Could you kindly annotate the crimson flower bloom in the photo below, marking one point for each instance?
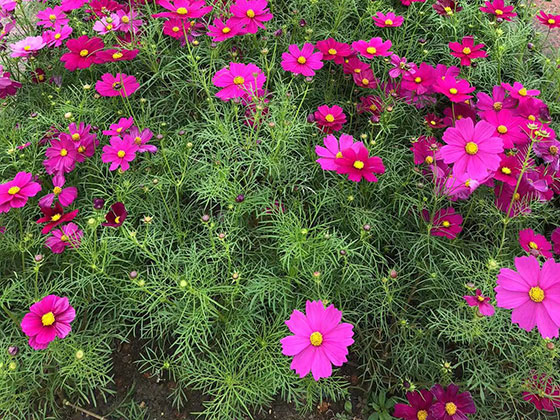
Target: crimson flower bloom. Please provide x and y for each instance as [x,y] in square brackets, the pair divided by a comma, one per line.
[390,20]
[518,91]
[370,104]
[116,215]
[509,170]
[238,80]
[329,119]
[433,121]
[120,152]
[83,52]
[250,14]
[304,61]
[357,163]
[8,87]
[498,9]
[552,21]
[543,393]
[373,48]
[118,85]
[334,50]
[535,244]
[482,303]
[68,236]
[457,90]
[446,7]
[418,407]
[450,404]
[15,193]
[467,50]
[425,150]
[446,222]
[220,31]
[55,216]
[183,9]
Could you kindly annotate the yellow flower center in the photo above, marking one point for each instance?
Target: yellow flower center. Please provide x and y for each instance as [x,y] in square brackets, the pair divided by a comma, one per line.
[301,59]
[551,21]
[373,107]
[52,17]
[553,150]
[250,13]
[329,118]
[536,294]
[446,224]
[497,106]
[522,92]
[238,80]
[499,12]
[76,136]
[125,19]
[316,339]
[41,77]
[27,47]
[466,51]
[450,408]
[81,149]
[119,129]
[532,118]
[453,91]
[182,11]
[338,155]
[516,196]
[422,415]
[365,81]
[138,140]
[459,117]
[506,170]
[84,52]
[388,22]
[117,220]
[57,190]
[56,217]
[109,27]
[121,153]
[47,319]
[371,50]
[14,190]
[480,298]
[357,71]
[117,55]
[175,29]
[64,238]
[471,148]
[502,129]
[448,9]
[429,160]
[63,152]
[533,245]
[57,36]
[358,164]
[417,79]
[226,30]
[332,51]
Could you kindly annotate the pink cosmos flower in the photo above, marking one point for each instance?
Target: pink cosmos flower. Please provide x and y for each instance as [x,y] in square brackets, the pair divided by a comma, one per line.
[449,404]
[353,65]
[220,31]
[467,50]
[390,20]
[555,238]
[357,163]
[118,85]
[8,87]
[533,294]
[238,80]
[507,127]
[509,170]
[69,5]
[128,21]
[372,105]
[82,53]
[112,55]
[458,112]
[552,21]
[457,90]
[15,193]
[68,236]
[472,149]
[304,61]
[27,46]
[332,151]
[183,9]
[52,17]
[55,216]
[119,152]
[61,155]
[65,196]
[418,407]
[250,14]
[365,79]
[549,151]
[119,128]
[319,340]
[330,119]
[518,91]
[106,25]
[498,9]
[141,138]
[47,319]
[534,244]
[543,393]
[445,223]
[421,81]
[433,121]
[497,102]
[426,150]
[57,36]
[483,304]
[401,67]
[334,50]
[375,47]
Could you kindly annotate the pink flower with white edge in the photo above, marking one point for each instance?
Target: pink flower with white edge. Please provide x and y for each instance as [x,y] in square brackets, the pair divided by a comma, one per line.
[250,14]
[304,61]
[518,91]
[238,80]
[532,292]
[332,150]
[61,155]
[375,47]
[120,152]
[357,163]
[482,303]
[320,340]
[535,244]
[118,85]
[27,46]
[467,50]
[65,196]
[52,17]
[390,20]
[48,319]
[15,193]
[329,119]
[68,236]
[57,36]
[445,223]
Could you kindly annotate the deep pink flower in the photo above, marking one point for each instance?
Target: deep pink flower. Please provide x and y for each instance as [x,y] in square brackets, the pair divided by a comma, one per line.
[47,319]
[549,151]
[421,81]
[457,90]
[497,102]
[445,223]
[375,47]
[498,9]
[365,79]
[334,50]
[83,51]
[220,31]
[459,112]
[69,5]
[534,244]
[357,163]
[176,28]
[52,17]
[116,216]
[57,35]
[250,14]
[518,91]
[65,196]
[555,238]
[426,150]
[119,128]
[353,65]
[401,67]
[118,85]
[483,304]
[514,202]
[472,149]
[27,46]
[418,407]
[183,9]
[552,21]
[332,151]
[433,121]
[533,293]
[543,393]
[68,236]
[304,61]
[389,20]
[449,404]
[55,216]
[102,8]
[8,87]
[372,105]
[112,55]
[15,193]
[507,127]
[330,119]
[319,340]
[238,80]
[467,50]
[141,138]
[509,170]
[120,152]
[61,155]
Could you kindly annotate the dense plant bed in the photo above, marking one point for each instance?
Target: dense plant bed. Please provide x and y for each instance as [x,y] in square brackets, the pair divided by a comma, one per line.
[268,205]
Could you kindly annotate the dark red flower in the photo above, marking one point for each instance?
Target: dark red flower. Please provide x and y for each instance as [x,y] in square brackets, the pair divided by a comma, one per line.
[55,216]
[116,215]
[450,404]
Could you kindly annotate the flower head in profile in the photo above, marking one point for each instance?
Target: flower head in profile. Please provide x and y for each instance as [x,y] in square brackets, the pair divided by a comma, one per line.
[68,236]
[445,223]
[250,14]
[534,244]
[82,52]
[333,50]
[332,151]
[48,319]
[449,404]
[375,47]
[532,292]
[389,20]
[329,119]
[27,46]
[467,50]
[418,407]
[357,164]
[15,193]
[65,196]
[425,150]
[238,80]
[55,216]
[119,85]
[116,215]
[543,392]
[498,9]
[320,340]
[302,61]
[482,303]
[552,21]
[120,152]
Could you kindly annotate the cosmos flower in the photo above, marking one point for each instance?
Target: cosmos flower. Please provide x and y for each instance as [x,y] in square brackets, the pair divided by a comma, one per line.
[116,216]
[141,138]
[127,21]
[401,67]
[320,340]
[445,223]
[330,119]
[496,102]
[8,86]
[552,21]
[304,61]
[509,170]
[457,90]
[238,80]
[375,47]
[425,150]
[534,244]
[83,51]
[119,128]
[118,85]
[183,9]
[482,303]
[55,216]
[120,152]
[27,46]
[334,50]
[65,196]
[449,404]
[15,193]
[421,81]
[68,236]
[332,150]
[57,36]
[389,20]
[507,127]
[418,407]
[250,14]
[498,9]
[518,91]
[357,163]
[542,392]
[52,17]
[446,7]
[220,31]
[467,50]
[61,155]
[106,25]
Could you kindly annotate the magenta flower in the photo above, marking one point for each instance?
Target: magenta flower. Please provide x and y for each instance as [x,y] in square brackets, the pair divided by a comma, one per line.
[507,127]
[497,102]
[472,149]
[375,47]
[457,90]
[15,193]
[47,319]
[498,9]
[418,407]
[82,52]
[65,196]
[119,128]
[509,170]
[329,119]
[52,17]
[128,21]
[425,150]
[552,21]
[118,85]
[390,20]
[250,14]
[421,81]
[61,155]
[57,36]
[27,46]
[68,236]
[319,340]
[518,91]
[69,5]
[106,25]
[549,151]
[141,138]
[449,404]
[120,152]
[357,163]
[116,215]
[304,61]
[238,80]
[365,79]
[8,87]
[332,151]
[534,244]
[446,8]
[532,292]
[220,31]
[555,238]
[354,66]
[467,50]
[55,216]
[401,67]
[543,393]
[446,223]
[183,9]
[372,105]
[334,50]
[483,304]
